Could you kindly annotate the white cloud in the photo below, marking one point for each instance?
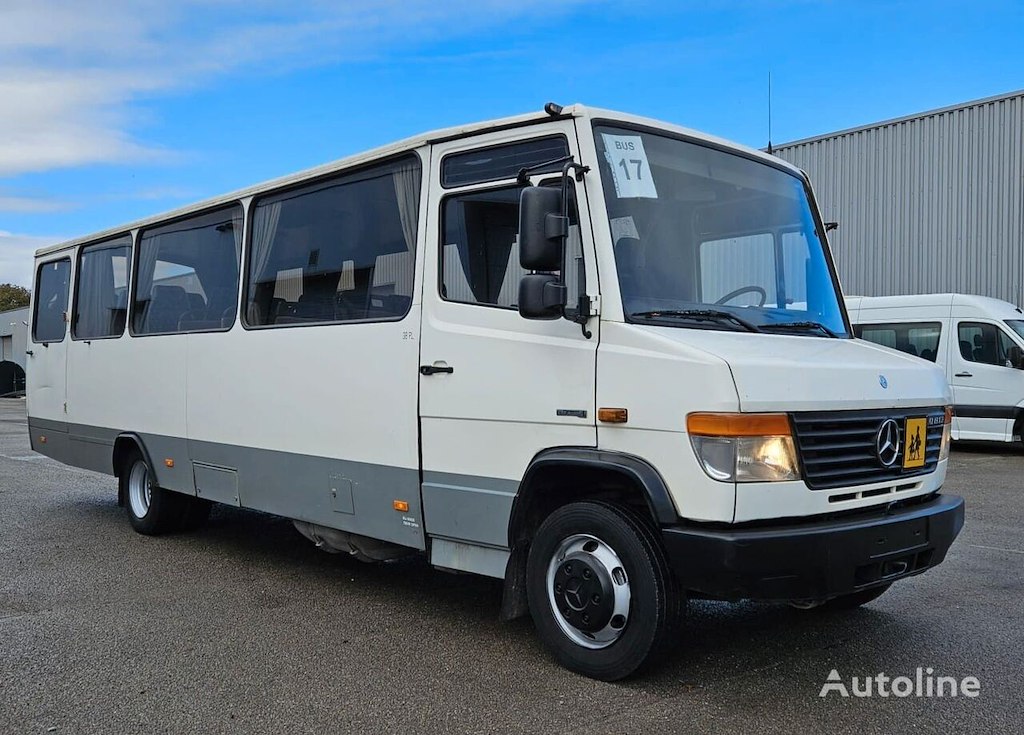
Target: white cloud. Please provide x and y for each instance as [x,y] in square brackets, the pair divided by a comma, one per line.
[72,74]
[16,254]
[32,205]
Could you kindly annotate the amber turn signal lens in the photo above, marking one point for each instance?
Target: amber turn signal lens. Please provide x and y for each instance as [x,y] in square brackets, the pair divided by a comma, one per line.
[738,424]
[169,462]
[613,415]
[401,505]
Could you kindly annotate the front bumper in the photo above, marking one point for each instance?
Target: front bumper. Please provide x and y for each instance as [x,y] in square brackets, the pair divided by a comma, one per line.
[818,559]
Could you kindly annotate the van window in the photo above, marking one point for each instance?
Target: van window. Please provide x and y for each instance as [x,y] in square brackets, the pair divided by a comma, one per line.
[187,274]
[480,253]
[988,344]
[340,250]
[101,290]
[920,339]
[51,295]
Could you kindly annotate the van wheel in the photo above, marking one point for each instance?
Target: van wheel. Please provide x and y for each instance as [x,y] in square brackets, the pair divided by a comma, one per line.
[152,510]
[600,591]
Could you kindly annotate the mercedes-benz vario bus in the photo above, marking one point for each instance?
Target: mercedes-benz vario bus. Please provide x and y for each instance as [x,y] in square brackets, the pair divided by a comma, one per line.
[602,358]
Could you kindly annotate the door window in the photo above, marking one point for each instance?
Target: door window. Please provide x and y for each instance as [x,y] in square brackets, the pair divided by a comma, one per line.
[51,307]
[988,344]
[480,253]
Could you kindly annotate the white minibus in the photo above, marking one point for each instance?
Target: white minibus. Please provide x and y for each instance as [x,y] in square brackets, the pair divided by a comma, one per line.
[599,357]
[976,340]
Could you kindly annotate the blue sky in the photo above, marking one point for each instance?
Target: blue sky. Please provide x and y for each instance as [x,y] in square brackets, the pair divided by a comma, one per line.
[116,110]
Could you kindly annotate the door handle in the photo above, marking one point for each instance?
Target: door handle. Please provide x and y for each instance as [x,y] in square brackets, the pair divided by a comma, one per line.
[963,375]
[434,369]
[30,353]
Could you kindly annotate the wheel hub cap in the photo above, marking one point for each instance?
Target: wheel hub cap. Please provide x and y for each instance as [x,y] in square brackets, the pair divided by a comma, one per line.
[588,591]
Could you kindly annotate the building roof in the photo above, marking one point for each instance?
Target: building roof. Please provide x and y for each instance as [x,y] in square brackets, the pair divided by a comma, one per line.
[898,120]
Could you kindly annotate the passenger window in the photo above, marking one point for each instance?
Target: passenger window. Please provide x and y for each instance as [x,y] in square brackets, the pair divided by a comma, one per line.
[920,339]
[739,271]
[480,253]
[101,290]
[338,251]
[51,305]
[187,274]
[988,344]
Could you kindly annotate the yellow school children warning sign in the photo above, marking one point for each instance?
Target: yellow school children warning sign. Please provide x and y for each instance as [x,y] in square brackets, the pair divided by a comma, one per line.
[915,442]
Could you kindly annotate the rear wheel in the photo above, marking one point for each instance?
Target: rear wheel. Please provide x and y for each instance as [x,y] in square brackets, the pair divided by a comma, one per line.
[600,591]
[153,510]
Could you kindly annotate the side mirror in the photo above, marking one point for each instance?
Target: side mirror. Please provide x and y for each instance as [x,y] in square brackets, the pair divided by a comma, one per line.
[541,296]
[542,229]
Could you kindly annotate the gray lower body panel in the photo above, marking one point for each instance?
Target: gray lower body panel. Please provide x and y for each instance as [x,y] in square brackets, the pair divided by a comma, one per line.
[351,496]
[467,516]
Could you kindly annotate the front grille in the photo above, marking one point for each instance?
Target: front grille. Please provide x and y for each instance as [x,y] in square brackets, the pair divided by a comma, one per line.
[837,448]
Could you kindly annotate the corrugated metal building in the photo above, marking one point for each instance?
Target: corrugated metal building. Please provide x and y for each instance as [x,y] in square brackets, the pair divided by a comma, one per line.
[13,343]
[927,203]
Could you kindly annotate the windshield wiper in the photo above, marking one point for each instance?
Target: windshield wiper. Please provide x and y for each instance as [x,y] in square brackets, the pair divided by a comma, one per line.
[700,315]
[800,327]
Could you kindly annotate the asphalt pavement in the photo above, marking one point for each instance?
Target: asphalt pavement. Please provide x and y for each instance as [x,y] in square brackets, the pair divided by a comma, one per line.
[245,627]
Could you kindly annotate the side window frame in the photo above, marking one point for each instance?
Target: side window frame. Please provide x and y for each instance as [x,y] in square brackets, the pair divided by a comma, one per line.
[901,331]
[1000,335]
[35,301]
[247,251]
[490,179]
[108,244]
[500,185]
[133,273]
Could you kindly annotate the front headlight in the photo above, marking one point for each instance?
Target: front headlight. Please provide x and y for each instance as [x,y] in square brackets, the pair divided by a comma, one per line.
[736,447]
[947,428]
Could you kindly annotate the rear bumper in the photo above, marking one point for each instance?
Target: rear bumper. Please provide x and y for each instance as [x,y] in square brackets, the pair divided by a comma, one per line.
[815,560]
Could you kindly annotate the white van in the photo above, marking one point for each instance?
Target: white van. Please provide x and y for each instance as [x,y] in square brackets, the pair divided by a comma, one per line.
[602,358]
[977,341]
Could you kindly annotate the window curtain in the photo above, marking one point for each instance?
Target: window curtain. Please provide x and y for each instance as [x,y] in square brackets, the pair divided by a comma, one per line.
[237,217]
[149,250]
[394,271]
[264,230]
[95,305]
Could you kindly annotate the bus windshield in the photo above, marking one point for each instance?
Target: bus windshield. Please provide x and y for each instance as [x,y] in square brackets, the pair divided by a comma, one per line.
[713,240]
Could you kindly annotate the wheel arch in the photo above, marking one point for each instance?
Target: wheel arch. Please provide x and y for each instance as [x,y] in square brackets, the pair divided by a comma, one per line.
[558,476]
[126,443]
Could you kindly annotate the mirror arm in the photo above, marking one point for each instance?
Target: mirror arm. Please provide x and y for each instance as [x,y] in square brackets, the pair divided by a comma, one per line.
[583,300]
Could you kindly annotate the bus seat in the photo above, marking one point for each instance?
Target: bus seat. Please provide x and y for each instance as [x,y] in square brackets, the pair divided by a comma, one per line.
[167,305]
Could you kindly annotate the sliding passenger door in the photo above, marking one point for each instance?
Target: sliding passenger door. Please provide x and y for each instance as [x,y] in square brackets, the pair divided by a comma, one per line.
[495,389]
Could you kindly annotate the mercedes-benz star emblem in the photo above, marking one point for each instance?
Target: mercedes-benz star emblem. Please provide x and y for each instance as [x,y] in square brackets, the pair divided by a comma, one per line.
[887,442]
[883,382]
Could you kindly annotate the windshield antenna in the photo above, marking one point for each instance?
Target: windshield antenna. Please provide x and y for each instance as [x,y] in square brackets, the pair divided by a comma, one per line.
[769,112]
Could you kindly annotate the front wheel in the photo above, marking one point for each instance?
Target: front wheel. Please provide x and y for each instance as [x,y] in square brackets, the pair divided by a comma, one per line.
[600,591]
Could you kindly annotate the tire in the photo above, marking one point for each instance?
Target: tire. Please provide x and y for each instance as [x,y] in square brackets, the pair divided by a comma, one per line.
[854,599]
[601,594]
[152,510]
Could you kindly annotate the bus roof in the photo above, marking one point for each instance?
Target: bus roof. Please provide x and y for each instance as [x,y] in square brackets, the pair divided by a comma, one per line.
[409,144]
